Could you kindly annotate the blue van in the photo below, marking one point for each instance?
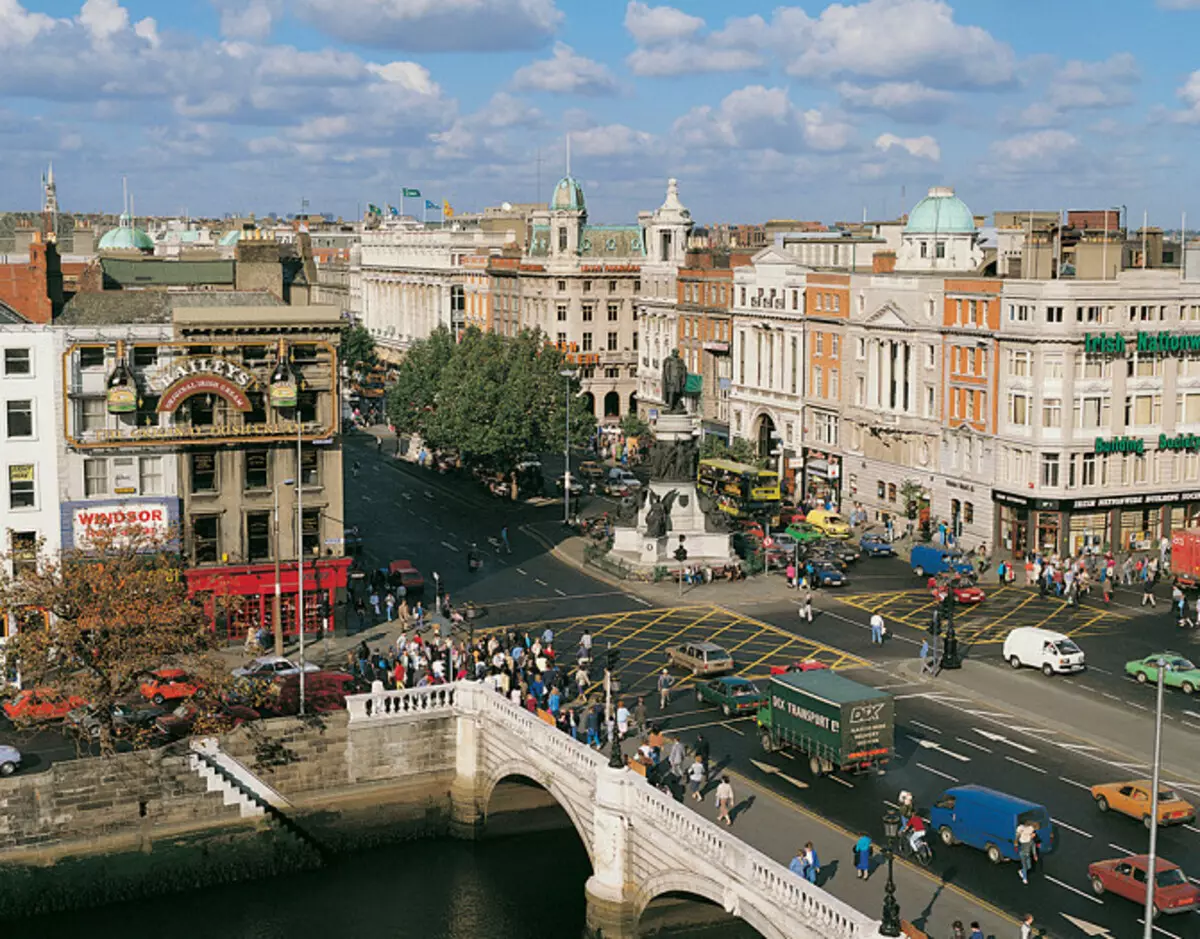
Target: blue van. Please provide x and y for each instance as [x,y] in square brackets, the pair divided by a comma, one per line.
[928,559]
[987,820]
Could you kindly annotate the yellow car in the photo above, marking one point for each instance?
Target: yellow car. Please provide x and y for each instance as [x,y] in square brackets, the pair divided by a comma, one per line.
[828,523]
[1133,798]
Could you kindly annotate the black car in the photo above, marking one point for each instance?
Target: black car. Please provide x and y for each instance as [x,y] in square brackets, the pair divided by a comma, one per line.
[844,551]
[128,717]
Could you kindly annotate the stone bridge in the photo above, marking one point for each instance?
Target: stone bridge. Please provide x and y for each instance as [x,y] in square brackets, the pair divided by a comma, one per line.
[641,843]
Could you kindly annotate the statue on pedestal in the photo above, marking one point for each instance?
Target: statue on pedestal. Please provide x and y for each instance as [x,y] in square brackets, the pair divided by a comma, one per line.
[674,382]
[658,518]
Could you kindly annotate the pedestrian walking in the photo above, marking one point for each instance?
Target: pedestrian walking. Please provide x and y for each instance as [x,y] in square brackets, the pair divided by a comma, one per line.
[877,629]
[1107,587]
[1027,926]
[374,599]
[724,801]
[1148,592]
[664,690]
[622,720]
[959,931]
[390,603]
[791,574]
[1026,844]
[812,864]
[976,930]
[926,658]
[696,776]
[639,715]
[806,611]
[676,757]
[702,750]
[862,857]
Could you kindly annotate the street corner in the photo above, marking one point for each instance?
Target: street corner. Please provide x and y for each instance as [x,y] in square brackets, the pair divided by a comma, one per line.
[988,622]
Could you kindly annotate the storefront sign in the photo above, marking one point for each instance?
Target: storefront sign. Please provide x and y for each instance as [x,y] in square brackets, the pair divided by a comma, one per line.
[1120,445]
[183,389]
[1179,442]
[202,365]
[1130,501]
[203,433]
[1161,343]
[150,520]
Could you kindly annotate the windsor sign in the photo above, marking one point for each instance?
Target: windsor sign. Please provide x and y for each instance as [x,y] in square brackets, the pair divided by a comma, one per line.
[1161,343]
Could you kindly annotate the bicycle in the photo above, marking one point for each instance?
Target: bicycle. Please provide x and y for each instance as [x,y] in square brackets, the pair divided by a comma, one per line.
[923,854]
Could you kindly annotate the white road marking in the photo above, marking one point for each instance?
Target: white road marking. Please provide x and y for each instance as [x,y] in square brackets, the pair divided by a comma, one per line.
[931,745]
[538,580]
[1062,824]
[971,743]
[1086,896]
[1142,922]
[993,715]
[1134,704]
[940,696]
[519,571]
[641,600]
[938,772]
[1036,769]
[1077,785]
[740,733]
[1079,746]
[1192,828]
[838,779]
[447,544]
[1190,713]
[1000,738]
[1036,731]
[561,593]
[1117,847]
[925,727]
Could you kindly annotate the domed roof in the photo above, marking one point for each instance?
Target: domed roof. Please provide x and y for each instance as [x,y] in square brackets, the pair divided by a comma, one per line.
[568,195]
[941,212]
[125,237]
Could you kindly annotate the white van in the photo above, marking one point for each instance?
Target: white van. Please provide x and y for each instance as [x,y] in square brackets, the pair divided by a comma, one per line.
[1052,652]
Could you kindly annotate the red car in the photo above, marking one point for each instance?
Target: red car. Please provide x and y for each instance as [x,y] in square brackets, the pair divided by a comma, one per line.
[808,665]
[1126,877]
[170,684]
[964,592]
[403,574]
[41,704]
[180,722]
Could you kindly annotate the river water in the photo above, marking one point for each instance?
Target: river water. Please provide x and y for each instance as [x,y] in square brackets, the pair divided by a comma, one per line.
[524,887]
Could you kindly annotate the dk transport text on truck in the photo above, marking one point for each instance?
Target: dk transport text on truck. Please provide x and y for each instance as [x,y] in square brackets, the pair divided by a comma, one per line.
[838,723]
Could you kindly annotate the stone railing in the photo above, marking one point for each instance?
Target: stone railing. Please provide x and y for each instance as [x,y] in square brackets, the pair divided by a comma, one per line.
[405,702]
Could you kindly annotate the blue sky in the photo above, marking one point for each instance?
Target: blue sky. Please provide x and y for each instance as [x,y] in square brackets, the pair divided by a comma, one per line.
[812,110]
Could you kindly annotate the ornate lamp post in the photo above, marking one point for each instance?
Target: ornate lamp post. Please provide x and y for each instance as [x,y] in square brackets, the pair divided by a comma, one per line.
[890,926]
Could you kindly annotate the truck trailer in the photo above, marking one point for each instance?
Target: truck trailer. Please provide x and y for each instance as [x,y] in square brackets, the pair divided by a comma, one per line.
[838,723]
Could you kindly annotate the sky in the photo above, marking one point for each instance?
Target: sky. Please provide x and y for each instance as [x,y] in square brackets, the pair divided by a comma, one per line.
[813,110]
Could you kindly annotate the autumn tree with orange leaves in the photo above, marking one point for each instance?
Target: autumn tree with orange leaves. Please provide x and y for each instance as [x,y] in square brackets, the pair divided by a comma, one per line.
[98,621]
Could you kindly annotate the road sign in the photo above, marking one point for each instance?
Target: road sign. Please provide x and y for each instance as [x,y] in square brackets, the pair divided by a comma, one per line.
[335,540]
[768,542]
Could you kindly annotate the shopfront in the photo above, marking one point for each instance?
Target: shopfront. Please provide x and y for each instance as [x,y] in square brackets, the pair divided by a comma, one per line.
[822,475]
[238,599]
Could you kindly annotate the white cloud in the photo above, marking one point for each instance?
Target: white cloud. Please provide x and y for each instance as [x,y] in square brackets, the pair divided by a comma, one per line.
[325,128]
[1189,94]
[1034,147]
[689,59]
[19,27]
[924,146]
[761,118]
[103,19]
[408,75]
[436,25]
[566,73]
[248,19]
[653,25]
[611,140]
[147,29]
[485,133]
[905,101]
[893,40]
[1080,85]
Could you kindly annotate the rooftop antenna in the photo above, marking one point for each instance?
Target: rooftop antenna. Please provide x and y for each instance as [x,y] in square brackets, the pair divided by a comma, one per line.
[124,195]
[568,154]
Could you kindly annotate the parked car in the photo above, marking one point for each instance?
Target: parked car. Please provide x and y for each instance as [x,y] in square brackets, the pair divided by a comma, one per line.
[828,523]
[41,704]
[827,574]
[806,665]
[933,559]
[181,721]
[802,532]
[324,691]
[1051,652]
[401,573]
[700,658]
[1126,877]
[591,471]
[170,684]
[876,546]
[844,551]
[964,591]
[985,819]
[1180,672]
[270,666]
[10,759]
[571,481]
[1132,798]
[732,695]
[128,717]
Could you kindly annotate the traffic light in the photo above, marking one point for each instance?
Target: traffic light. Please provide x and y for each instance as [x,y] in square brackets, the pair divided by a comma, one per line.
[681,554]
[935,624]
[612,656]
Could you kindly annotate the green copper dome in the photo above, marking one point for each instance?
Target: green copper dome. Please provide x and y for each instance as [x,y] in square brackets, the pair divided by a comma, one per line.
[941,212]
[568,195]
[125,237]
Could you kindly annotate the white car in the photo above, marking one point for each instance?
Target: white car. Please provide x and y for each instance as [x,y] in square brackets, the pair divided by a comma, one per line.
[10,760]
[269,666]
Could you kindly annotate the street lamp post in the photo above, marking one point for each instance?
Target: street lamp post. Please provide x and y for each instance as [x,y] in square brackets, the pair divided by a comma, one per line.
[890,925]
[300,552]
[1152,860]
[568,374]
[277,605]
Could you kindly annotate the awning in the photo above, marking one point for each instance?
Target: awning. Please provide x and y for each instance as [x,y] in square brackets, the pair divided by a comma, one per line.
[817,468]
[695,384]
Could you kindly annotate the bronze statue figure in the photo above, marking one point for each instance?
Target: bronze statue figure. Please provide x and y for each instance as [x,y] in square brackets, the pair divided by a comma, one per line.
[658,518]
[674,381]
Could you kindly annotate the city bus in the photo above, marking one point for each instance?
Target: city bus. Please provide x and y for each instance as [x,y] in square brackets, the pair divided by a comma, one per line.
[742,491]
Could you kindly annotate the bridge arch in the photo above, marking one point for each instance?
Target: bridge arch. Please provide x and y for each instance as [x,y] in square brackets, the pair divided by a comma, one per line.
[521,770]
[701,885]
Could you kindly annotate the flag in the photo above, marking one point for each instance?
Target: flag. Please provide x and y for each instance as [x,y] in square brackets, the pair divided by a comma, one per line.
[431,205]
[411,193]
[447,210]
[392,210]
[373,209]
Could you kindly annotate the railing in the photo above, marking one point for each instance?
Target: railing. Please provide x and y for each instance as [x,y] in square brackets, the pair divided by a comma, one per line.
[404,702]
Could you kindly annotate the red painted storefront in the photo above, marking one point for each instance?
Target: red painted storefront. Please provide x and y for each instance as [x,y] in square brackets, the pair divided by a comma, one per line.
[241,597]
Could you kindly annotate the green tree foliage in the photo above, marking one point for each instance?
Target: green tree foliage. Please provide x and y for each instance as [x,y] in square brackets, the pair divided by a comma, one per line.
[357,350]
[740,451]
[488,397]
[634,426]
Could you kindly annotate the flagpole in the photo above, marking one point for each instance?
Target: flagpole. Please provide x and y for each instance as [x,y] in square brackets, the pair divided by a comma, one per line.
[1183,247]
[402,202]
[425,212]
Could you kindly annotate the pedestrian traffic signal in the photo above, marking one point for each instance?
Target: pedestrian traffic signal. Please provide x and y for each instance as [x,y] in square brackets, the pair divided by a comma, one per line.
[611,657]
[681,554]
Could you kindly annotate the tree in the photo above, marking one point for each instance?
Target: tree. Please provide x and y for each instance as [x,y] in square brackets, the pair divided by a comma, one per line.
[410,400]
[634,426]
[357,350]
[739,450]
[912,494]
[109,617]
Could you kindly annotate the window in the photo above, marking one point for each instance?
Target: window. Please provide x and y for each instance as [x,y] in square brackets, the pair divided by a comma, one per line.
[1054,314]
[561,311]
[970,395]
[91,357]
[972,312]
[880,490]
[940,249]
[310,527]
[21,493]
[1052,366]
[588,309]
[310,466]
[587,342]
[1019,363]
[860,391]
[1050,469]
[614,311]
[826,428]
[1018,313]
[1091,366]
[20,418]
[204,472]
[258,469]
[612,342]
[612,371]
[860,348]
[930,357]
[562,238]
[612,286]
[818,381]
[205,537]
[1143,410]
[924,249]
[258,536]
[306,407]
[150,476]
[202,410]
[835,384]
[24,552]
[95,477]
[1088,474]
[587,286]
[891,492]
[1092,411]
[1089,314]
[91,414]
[1187,409]
[929,400]
[17,362]
[561,340]
[1143,366]
[1052,412]
[635,342]
[1018,410]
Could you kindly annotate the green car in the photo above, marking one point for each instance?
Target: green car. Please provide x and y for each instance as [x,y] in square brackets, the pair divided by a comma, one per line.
[802,532]
[1180,672]
[731,695]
